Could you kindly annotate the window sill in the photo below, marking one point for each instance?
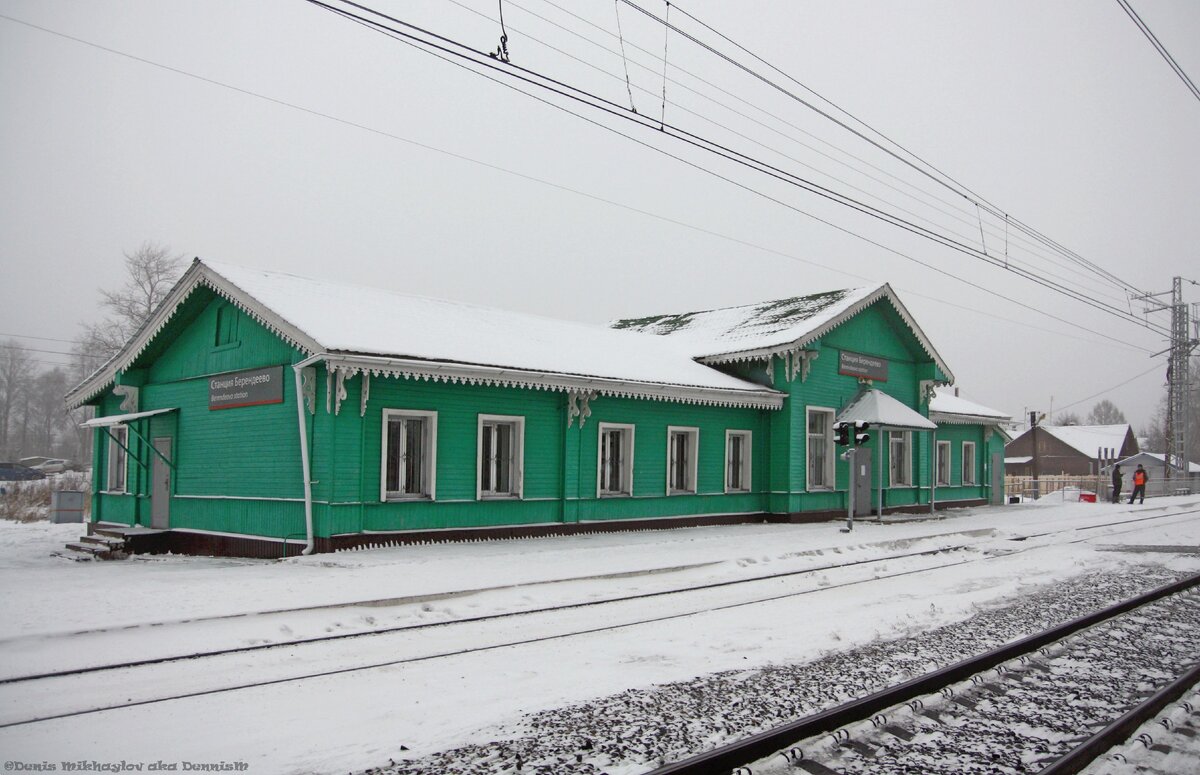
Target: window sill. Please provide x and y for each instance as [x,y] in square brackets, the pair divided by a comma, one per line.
[615,495]
[408,499]
[501,496]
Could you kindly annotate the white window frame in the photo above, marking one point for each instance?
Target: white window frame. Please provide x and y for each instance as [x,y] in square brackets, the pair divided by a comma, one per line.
[905,438]
[118,460]
[968,471]
[428,447]
[693,447]
[747,461]
[943,448]
[517,470]
[830,472]
[626,464]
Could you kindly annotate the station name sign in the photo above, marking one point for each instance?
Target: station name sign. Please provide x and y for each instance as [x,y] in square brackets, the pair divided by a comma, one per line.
[859,365]
[252,387]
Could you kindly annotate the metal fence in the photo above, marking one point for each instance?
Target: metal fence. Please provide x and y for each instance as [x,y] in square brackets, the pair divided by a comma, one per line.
[1093,486]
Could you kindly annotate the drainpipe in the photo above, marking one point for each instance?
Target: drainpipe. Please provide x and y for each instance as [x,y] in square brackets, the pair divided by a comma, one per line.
[304,463]
[933,472]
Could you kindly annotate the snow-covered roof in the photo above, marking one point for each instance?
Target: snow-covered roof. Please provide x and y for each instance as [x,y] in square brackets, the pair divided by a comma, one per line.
[1089,439]
[880,409]
[949,408]
[1017,461]
[432,339]
[1157,457]
[771,327]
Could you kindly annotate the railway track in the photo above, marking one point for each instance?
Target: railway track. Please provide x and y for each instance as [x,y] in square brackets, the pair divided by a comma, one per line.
[1049,703]
[985,554]
[203,673]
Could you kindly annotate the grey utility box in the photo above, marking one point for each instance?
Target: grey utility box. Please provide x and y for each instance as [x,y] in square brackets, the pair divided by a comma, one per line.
[66,506]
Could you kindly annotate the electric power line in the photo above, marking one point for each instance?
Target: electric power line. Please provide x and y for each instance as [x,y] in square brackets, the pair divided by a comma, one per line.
[1074,279]
[456,49]
[561,187]
[928,170]
[1141,25]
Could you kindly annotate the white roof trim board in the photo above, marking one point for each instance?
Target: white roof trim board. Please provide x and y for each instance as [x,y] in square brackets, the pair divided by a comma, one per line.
[883,411]
[947,408]
[758,331]
[458,373]
[121,419]
[431,339]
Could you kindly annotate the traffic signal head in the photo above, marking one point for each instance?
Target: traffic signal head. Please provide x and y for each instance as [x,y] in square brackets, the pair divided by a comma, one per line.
[860,432]
[841,433]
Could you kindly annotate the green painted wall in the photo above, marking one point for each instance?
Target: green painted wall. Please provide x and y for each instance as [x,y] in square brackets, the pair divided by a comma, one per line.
[238,470]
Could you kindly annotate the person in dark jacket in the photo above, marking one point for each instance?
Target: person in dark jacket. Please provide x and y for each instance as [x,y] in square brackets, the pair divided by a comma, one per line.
[1140,477]
[1117,480]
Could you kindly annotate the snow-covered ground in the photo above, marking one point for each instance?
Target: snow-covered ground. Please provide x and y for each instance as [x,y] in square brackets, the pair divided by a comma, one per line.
[59,614]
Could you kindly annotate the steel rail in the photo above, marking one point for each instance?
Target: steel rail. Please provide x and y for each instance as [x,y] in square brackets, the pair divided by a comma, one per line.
[1120,730]
[562,607]
[723,760]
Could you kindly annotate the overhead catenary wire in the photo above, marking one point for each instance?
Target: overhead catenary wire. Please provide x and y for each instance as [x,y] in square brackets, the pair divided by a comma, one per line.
[977,219]
[541,181]
[458,59]
[966,217]
[436,42]
[920,165]
[1153,368]
[1159,47]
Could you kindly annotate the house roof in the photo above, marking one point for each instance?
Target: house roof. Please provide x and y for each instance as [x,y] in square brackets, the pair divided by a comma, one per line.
[880,409]
[385,332]
[1157,458]
[1089,439]
[945,407]
[772,327]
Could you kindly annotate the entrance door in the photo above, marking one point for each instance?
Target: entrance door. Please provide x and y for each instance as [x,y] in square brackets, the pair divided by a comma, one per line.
[997,479]
[160,488]
[861,481]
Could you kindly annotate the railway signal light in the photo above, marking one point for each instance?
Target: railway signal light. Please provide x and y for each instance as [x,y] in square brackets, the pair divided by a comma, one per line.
[860,432]
[842,434]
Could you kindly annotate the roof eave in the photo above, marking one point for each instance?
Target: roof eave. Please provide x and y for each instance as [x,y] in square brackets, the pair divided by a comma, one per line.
[198,275]
[445,371]
[882,292]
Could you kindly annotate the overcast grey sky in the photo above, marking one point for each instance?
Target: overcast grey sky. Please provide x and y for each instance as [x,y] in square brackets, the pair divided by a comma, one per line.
[390,167]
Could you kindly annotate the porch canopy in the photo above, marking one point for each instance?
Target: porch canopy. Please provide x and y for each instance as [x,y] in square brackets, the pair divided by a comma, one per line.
[884,412]
[121,419]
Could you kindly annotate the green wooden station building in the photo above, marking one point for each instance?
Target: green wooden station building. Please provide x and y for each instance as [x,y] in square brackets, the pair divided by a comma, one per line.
[265,414]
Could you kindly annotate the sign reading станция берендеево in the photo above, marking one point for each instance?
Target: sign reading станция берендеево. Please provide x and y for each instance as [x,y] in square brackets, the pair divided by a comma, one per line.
[246,388]
[859,365]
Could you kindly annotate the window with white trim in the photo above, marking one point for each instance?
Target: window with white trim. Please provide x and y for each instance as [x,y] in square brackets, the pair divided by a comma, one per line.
[501,456]
[900,458]
[614,467]
[682,444]
[737,461]
[409,464]
[118,461]
[943,463]
[968,463]
[819,449]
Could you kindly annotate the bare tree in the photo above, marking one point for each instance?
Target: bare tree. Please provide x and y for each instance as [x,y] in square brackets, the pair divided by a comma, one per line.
[16,368]
[46,418]
[1067,418]
[1105,412]
[152,271]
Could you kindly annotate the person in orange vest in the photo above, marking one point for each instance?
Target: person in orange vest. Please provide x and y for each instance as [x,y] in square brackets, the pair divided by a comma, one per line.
[1140,477]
